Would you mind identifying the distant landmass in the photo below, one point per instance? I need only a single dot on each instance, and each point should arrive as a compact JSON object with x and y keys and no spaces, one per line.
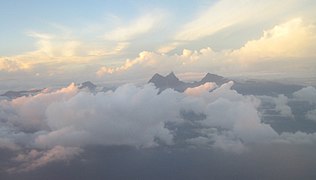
{"x":254,"y":87}
{"x":173,"y":82}
{"x":88,"y":85}
{"x":16,"y":94}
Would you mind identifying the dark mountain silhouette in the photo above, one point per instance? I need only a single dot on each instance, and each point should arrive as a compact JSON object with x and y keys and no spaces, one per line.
{"x":169,"y":81}
{"x":173,"y":82}
{"x":89,"y":85}
{"x":254,"y":87}
{"x":219,"y":80}
{"x":16,"y":94}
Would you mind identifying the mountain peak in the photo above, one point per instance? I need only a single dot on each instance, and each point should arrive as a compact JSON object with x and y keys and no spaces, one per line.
{"x":214,"y":78}
{"x":169,"y":81}
{"x":172,"y":81}
{"x":88,"y":84}
{"x":155,"y":78}
{"x":209,"y":76}
{"x":172,"y":76}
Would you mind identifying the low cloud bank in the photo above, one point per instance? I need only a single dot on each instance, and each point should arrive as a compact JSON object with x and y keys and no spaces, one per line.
{"x":57,"y":125}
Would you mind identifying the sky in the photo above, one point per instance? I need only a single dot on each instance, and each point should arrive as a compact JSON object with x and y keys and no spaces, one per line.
{"x":49,"y":43}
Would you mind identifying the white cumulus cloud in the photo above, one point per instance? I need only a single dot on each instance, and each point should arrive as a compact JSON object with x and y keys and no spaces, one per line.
{"x":55,"y":125}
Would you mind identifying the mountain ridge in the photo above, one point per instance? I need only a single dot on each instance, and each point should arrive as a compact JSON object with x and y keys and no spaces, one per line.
{"x":252,"y":87}
{"x":244,"y":87}
{"x":173,"y":82}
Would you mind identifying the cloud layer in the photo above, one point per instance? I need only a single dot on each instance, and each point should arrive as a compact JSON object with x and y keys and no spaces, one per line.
{"x":56,"y":125}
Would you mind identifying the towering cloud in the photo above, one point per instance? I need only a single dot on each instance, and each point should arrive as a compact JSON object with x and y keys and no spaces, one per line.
{"x":293,"y":38}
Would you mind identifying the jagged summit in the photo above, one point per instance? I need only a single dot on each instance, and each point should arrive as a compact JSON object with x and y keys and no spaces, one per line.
{"x":172,"y":76}
{"x":88,"y":84}
{"x":219,"y":80}
{"x":16,"y":94}
{"x":210,"y":76}
{"x":156,"y":77}
{"x":169,"y":81}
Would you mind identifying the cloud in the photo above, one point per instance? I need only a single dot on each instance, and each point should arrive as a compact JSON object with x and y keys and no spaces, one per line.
{"x":240,"y":125}
{"x":285,"y":43}
{"x":311,"y":115}
{"x":101,"y":52}
{"x":169,"y":47}
{"x":240,"y":120}
{"x":54,"y":46}
{"x":293,"y":38}
{"x":58,"y":55}
{"x":35,"y":159}
{"x":229,"y":143}
{"x":297,"y":138}
{"x":128,"y":64}
{"x":138,"y":27}
{"x":217,"y":17}
{"x":55,"y":125}
{"x":150,"y":62}
{"x":130,"y":115}
{"x":282,"y":107}
{"x":306,"y":94}
{"x":10,"y":65}
{"x":122,"y":117}
{"x":50,"y":50}
{"x":198,"y":91}
{"x":225,"y":14}
{"x":223,"y":141}
{"x":71,"y":118}
{"x":138,"y":116}
{"x":28,"y":113}
{"x":6,"y":143}
{"x":70,"y":52}
{"x":62,"y":52}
